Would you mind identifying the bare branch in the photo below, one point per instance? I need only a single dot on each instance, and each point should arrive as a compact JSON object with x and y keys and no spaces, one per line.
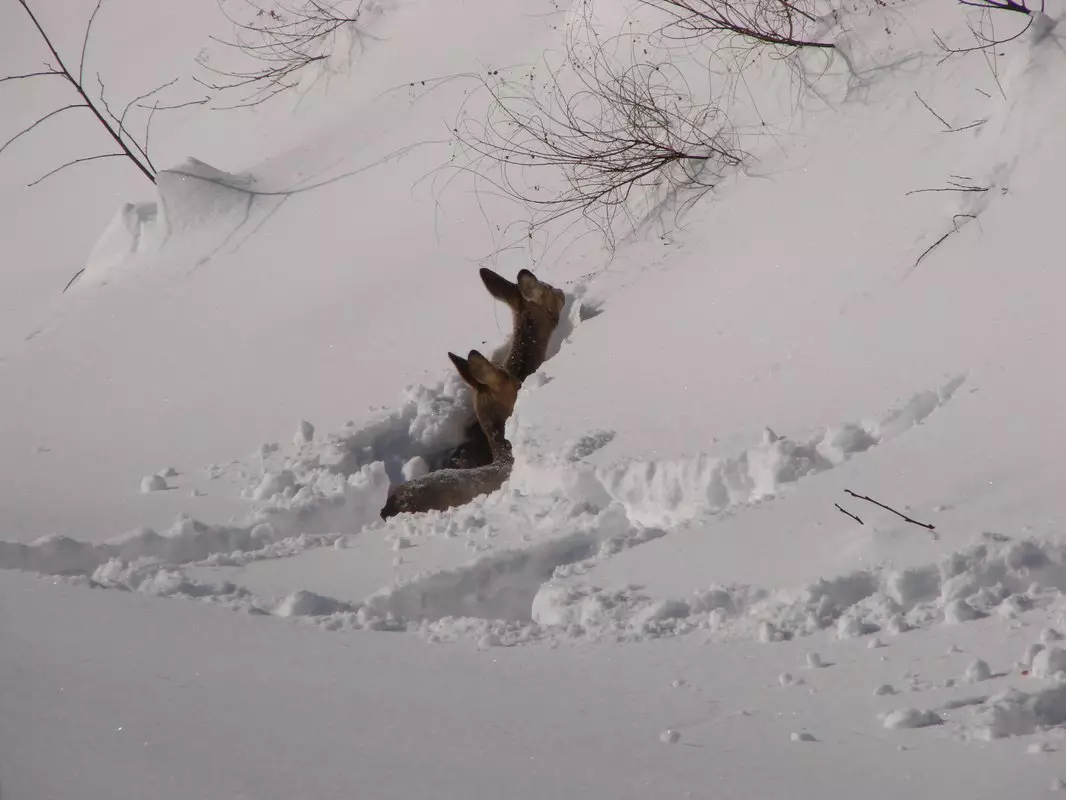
{"x":116,"y":126}
{"x":593,"y":133}
{"x":279,"y":47}
{"x":46,"y":117}
{"x":844,"y":511}
{"x":925,"y":525}
{"x":950,"y":189}
{"x":85,"y":41}
{"x":765,"y":22}
{"x":42,"y":74}
{"x":72,"y":163}
{"x":86,"y":101}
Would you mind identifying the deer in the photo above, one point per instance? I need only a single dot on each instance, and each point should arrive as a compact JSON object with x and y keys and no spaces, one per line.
{"x":536,"y":308}
{"x":495,"y":391}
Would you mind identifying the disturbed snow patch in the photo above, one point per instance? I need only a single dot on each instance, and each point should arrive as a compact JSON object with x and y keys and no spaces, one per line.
{"x":985,"y":577}
{"x":666,"y":493}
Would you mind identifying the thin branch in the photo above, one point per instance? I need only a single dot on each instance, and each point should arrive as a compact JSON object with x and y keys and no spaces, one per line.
{"x":929,"y":108}
{"x":80,"y":89}
{"x":848,"y":513}
{"x":1006,"y":5}
{"x":85,"y":41}
{"x":33,"y":75}
{"x":938,"y":242}
{"x":900,"y":514}
{"x":72,"y":163}
{"x":764,"y":22}
{"x":73,"y":278}
{"x":950,"y":189}
{"x":46,"y":117}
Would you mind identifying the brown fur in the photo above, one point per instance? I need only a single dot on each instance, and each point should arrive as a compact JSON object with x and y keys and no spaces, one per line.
{"x":495,"y":391}
{"x":535,"y":308}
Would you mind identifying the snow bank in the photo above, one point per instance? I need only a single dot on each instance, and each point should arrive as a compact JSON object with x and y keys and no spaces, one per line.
{"x":328,"y":503}
{"x":199,"y":209}
{"x":666,"y":493}
{"x":996,"y":572}
{"x":1015,"y":713}
{"x":137,"y":229}
{"x":912,"y":718}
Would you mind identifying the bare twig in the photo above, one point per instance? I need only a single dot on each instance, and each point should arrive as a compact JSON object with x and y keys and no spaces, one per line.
{"x":73,"y":278}
{"x":593,"y":132}
{"x":279,"y":44}
{"x":41,"y":74}
{"x":62,"y":167}
{"x":45,"y":118}
{"x":950,"y":189}
{"x":943,"y":121}
{"x":85,"y":41}
{"x":765,"y":22}
{"x":848,"y":513}
{"x":900,"y":514}
{"x":115,"y":130}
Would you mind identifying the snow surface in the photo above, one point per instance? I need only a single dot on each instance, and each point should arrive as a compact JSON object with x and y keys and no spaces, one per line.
{"x":670,"y":553}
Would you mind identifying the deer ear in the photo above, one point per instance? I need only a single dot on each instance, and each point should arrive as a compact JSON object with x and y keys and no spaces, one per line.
{"x":463,"y":368}
{"x":501,"y":288}
{"x":484,"y":371}
{"x":528,"y":285}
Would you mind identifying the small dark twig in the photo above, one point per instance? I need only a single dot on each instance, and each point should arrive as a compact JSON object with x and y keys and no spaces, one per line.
{"x":1007,"y":5}
{"x":934,"y":245}
{"x":925,"y":525}
{"x":62,"y":167}
{"x":929,"y":108}
{"x":848,"y":513}
{"x":46,"y":117}
{"x":71,"y":281}
{"x":951,"y":189}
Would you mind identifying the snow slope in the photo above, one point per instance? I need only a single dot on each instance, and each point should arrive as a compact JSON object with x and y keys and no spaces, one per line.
{"x":686,"y":587}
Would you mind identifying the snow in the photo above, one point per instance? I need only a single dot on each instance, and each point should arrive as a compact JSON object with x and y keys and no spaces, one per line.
{"x":1049,"y":661}
{"x":775,"y":431}
{"x":911,"y":718}
{"x":977,"y":671}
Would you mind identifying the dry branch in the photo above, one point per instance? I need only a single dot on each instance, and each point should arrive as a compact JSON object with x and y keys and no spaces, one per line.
{"x":844,"y":511}
{"x":128,"y":145}
{"x":783,"y":23}
{"x":279,"y":42}
{"x":592,"y":133}
{"x":900,"y":514}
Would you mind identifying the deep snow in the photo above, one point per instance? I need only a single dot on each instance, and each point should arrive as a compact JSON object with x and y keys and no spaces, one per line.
{"x":681,"y":590}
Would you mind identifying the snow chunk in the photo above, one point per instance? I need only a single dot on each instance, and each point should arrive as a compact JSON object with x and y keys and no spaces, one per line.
{"x":307,"y":604}
{"x":977,"y":671}
{"x":884,"y":689}
{"x":769,"y":633}
{"x":670,"y":736}
{"x":305,"y":433}
{"x":1049,"y":635}
{"x":958,"y":611}
{"x":153,"y":483}
{"x":802,"y":736}
{"x":1031,"y":652}
{"x":1049,"y":662}
{"x":1014,"y":713}
{"x":414,"y":468}
{"x":274,"y":484}
{"x":911,"y":718}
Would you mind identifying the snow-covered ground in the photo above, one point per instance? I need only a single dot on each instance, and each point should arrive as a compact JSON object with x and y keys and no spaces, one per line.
{"x":784,"y":517}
